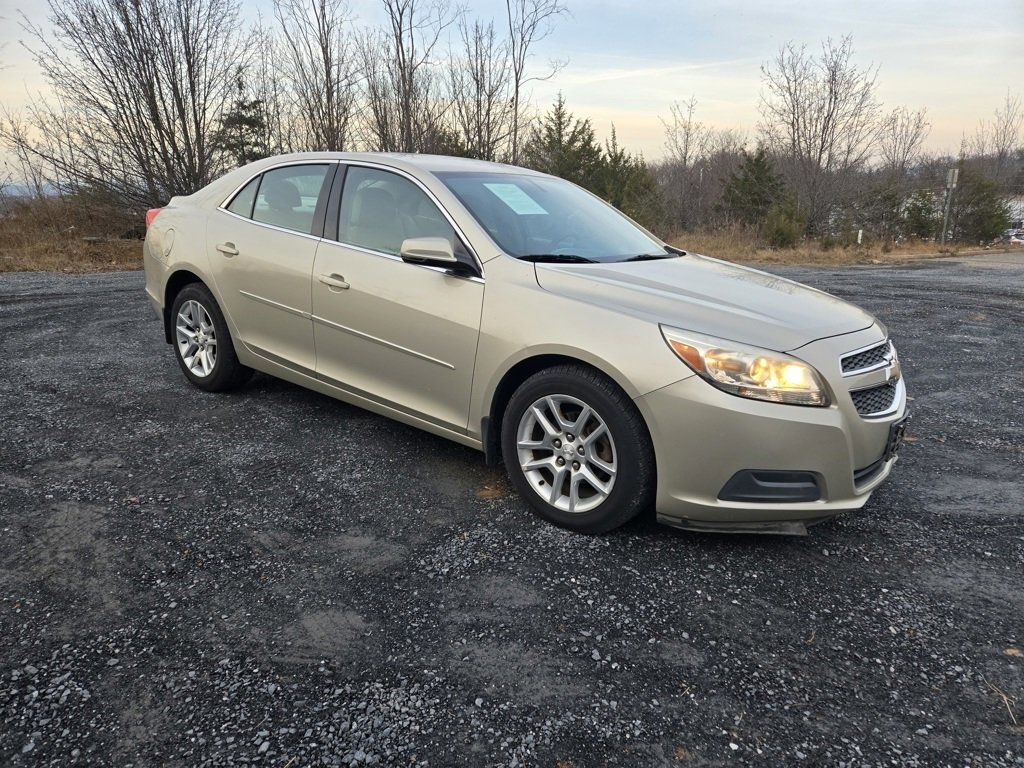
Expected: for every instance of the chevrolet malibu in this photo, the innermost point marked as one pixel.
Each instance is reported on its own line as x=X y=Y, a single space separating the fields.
x=518 y=314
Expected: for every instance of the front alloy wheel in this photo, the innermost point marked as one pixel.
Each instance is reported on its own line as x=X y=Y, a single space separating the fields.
x=577 y=449
x=567 y=453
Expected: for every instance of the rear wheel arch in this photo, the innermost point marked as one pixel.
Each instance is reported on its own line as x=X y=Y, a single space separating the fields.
x=175 y=283
x=510 y=382
x=204 y=348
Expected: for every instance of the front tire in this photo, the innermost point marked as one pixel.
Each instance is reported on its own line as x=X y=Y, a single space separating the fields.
x=576 y=448
x=202 y=341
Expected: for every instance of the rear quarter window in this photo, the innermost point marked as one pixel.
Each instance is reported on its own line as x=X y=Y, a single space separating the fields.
x=242 y=203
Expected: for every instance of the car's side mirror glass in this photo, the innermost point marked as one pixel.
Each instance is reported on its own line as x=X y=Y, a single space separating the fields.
x=435 y=251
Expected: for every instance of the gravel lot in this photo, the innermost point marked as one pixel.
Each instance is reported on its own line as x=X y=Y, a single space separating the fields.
x=276 y=578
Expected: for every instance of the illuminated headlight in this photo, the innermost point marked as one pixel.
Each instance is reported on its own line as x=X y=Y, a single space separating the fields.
x=751 y=372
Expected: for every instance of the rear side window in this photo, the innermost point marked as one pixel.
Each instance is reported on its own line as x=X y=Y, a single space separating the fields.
x=242 y=204
x=287 y=197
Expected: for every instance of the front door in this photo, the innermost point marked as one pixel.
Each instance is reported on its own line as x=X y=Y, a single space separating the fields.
x=401 y=334
x=262 y=247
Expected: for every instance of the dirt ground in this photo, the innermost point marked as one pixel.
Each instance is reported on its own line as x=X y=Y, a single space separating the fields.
x=275 y=578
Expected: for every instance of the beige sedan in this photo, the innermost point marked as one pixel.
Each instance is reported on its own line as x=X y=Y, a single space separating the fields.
x=516 y=313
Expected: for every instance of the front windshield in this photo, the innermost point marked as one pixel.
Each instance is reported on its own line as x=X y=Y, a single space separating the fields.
x=541 y=216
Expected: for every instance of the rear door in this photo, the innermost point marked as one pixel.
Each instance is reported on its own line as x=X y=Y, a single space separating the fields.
x=262 y=246
x=404 y=335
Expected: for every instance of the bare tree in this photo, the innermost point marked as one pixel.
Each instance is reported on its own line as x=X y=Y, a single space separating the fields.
x=881 y=193
x=403 y=95
x=996 y=141
x=820 y=118
x=529 y=22
x=484 y=115
x=686 y=138
x=689 y=141
x=321 y=67
x=697 y=160
x=901 y=139
x=265 y=85
x=138 y=88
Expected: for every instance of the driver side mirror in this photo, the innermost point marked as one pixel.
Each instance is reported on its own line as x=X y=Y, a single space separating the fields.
x=432 y=251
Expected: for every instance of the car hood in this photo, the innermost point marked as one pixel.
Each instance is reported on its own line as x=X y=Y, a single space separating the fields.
x=709 y=296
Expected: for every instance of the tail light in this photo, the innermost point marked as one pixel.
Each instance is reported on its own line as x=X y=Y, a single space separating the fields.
x=150 y=215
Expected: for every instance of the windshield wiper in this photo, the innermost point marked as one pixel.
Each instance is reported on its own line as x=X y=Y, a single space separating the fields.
x=651 y=257
x=557 y=258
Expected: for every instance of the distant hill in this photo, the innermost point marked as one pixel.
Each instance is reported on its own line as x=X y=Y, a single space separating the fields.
x=14 y=189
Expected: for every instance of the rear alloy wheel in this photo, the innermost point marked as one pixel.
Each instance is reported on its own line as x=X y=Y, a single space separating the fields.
x=577 y=449
x=202 y=341
x=196 y=338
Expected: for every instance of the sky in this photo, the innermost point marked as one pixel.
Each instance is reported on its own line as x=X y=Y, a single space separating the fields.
x=626 y=62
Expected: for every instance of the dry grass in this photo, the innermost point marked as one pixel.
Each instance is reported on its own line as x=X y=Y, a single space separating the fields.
x=738 y=245
x=61 y=235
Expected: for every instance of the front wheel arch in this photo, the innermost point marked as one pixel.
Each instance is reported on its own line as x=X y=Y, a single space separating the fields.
x=491 y=423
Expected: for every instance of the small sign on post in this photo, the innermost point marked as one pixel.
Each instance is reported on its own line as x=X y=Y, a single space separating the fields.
x=952 y=176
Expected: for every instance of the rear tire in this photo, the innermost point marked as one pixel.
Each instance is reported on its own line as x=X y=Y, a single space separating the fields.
x=202 y=342
x=577 y=449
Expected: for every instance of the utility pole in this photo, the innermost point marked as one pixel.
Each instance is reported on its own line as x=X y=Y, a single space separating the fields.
x=951 y=178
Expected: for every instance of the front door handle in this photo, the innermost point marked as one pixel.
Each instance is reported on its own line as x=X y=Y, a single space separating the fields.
x=228 y=249
x=334 y=281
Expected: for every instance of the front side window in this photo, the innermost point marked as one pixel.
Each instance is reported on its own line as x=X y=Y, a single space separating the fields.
x=288 y=196
x=380 y=209
x=532 y=216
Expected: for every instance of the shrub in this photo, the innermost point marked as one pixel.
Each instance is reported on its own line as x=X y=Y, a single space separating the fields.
x=980 y=212
x=784 y=226
x=921 y=216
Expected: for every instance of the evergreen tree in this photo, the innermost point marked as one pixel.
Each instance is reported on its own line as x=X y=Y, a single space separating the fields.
x=564 y=146
x=243 y=128
x=625 y=181
x=921 y=215
x=752 y=190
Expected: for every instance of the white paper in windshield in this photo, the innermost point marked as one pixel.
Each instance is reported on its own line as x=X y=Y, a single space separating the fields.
x=516 y=199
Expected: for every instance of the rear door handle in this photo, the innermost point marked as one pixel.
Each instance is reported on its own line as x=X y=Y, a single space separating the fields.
x=228 y=249
x=334 y=281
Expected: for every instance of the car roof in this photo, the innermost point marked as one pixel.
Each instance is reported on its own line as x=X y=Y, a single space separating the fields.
x=216 y=191
x=408 y=161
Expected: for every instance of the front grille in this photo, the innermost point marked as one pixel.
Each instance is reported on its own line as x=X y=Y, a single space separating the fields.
x=874 y=399
x=866 y=359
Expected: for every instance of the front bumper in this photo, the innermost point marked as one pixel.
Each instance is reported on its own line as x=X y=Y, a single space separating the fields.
x=703 y=436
